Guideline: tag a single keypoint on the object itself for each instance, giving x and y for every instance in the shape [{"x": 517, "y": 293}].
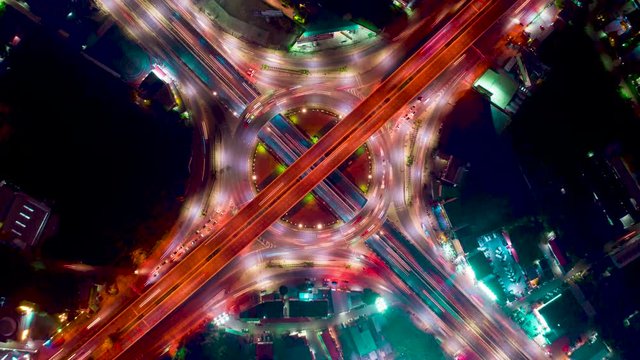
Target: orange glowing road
[{"x": 178, "y": 285}]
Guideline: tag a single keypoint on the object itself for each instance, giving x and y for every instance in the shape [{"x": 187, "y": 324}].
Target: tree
[
  {"x": 181, "y": 354},
  {"x": 409, "y": 342},
  {"x": 369, "y": 296},
  {"x": 525, "y": 237},
  {"x": 138, "y": 256}
]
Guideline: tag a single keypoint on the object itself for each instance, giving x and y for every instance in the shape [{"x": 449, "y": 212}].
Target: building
[
  {"x": 331, "y": 345},
  {"x": 498, "y": 86},
  {"x": 625, "y": 250},
  {"x": 22, "y": 218},
  {"x": 330, "y": 31},
  {"x": 362, "y": 339},
  {"x": 264, "y": 348},
  {"x": 454, "y": 169},
  {"x": 265, "y": 310},
  {"x": 563, "y": 317},
  {"x": 628, "y": 178},
  {"x": 293, "y": 348},
  {"x": 610, "y": 192},
  {"x": 308, "y": 309},
  {"x": 156, "y": 88}
]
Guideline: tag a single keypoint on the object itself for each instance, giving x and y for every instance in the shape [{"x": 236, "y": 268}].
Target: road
[
  {"x": 164, "y": 33},
  {"x": 338, "y": 102},
  {"x": 487, "y": 335},
  {"x": 365, "y": 63},
  {"x": 256, "y": 216}
]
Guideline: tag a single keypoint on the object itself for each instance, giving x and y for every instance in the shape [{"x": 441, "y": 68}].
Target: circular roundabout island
[{"x": 288, "y": 134}]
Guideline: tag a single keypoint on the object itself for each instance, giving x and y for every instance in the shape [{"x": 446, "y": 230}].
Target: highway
[
  {"x": 259, "y": 114},
  {"x": 276, "y": 199},
  {"x": 365, "y": 63},
  {"x": 287, "y": 143},
  {"x": 167, "y": 33},
  {"x": 422, "y": 273},
  {"x": 219, "y": 249}
]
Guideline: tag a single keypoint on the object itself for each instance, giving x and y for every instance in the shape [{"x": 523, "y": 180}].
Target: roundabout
[
  {"x": 332, "y": 203},
  {"x": 275, "y": 131}
]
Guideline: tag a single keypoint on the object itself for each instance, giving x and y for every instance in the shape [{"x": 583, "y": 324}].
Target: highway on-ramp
[{"x": 255, "y": 217}]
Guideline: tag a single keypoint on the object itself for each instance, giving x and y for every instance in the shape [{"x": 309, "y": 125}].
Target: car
[
  {"x": 58, "y": 342},
  {"x": 181, "y": 250}
]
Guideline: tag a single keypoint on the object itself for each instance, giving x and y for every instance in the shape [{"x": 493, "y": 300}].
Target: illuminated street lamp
[
  {"x": 26, "y": 309},
  {"x": 381, "y": 305},
  {"x": 221, "y": 319}
]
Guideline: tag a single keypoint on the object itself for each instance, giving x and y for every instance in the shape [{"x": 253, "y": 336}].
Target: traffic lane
[
  {"x": 473, "y": 317},
  {"x": 128, "y": 318},
  {"x": 483, "y": 22},
  {"x": 212, "y": 297},
  {"x": 419, "y": 288},
  {"x": 425, "y": 265},
  {"x": 182, "y": 263},
  {"x": 412, "y": 217},
  {"x": 266, "y": 220},
  {"x": 236, "y": 48},
  {"x": 312, "y": 150},
  {"x": 151, "y": 316},
  {"x": 106, "y": 314},
  {"x": 146, "y": 25},
  {"x": 198, "y": 309}
]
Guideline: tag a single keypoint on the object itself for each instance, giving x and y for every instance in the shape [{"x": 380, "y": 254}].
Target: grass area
[
  {"x": 409, "y": 342},
  {"x": 216, "y": 344}
]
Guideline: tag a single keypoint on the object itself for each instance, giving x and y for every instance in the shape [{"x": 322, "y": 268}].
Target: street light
[
  {"x": 25, "y": 309},
  {"x": 221, "y": 319},
  {"x": 381, "y": 305}
]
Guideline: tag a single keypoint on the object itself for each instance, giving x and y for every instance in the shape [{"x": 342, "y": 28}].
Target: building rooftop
[
  {"x": 264, "y": 350},
  {"x": 268, "y": 309},
  {"x": 292, "y": 348},
  {"x": 22, "y": 218},
  {"x": 564, "y": 316},
  {"x": 499, "y": 87},
  {"x": 362, "y": 338},
  {"x": 596, "y": 350},
  {"x": 317, "y": 308}
]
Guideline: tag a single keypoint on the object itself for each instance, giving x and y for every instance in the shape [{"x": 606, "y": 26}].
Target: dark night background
[
  {"x": 576, "y": 110},
  {"x": 112, "y": 172},
  {"x": 72, "y": 136}
]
